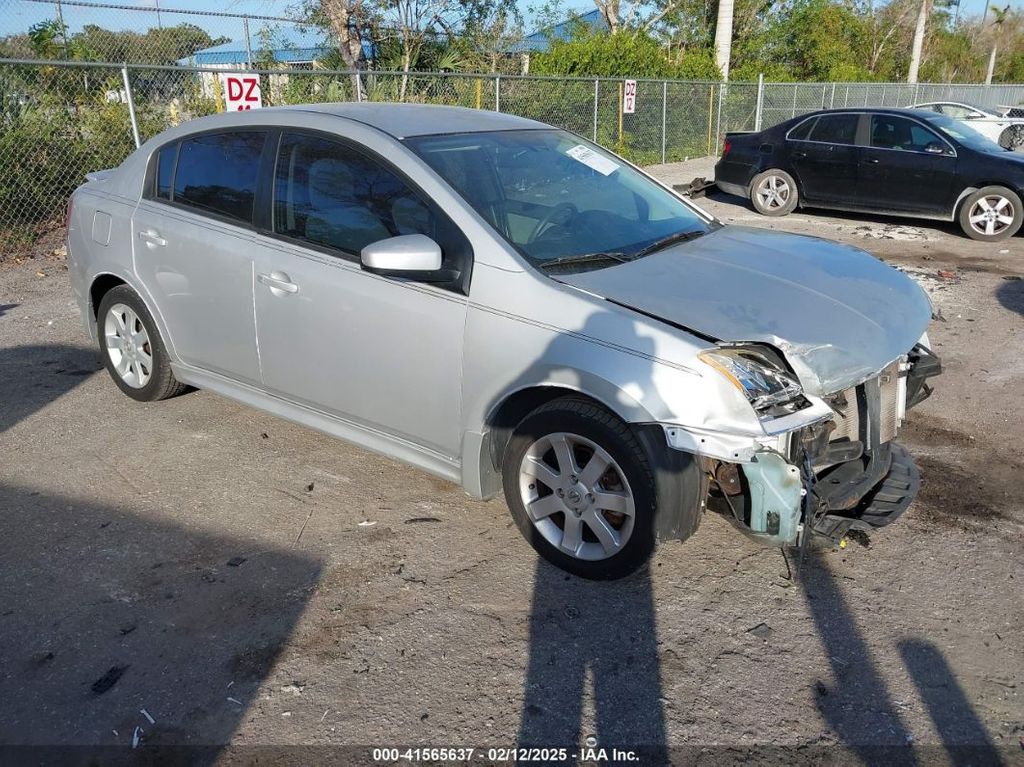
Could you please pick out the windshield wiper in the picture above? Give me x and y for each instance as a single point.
(585, 258)
(664, 242)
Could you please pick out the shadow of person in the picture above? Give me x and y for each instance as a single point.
(32, 376)
(595, 641)
(604, 634)
(962, 733)
(1010, 295)
(858, 707)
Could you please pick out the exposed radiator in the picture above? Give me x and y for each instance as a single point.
(871, 412)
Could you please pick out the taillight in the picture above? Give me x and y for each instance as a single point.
(725, 148)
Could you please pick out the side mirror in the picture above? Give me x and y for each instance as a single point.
(413, 256)
(935, 147)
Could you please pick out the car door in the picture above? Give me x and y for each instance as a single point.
(193, 242)
(384, 353)
(825, 163)
(906, 167)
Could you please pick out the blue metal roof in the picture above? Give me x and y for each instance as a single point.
(289, 47)
(540, 41)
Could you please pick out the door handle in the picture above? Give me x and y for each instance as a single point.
(872, 160)
(278, 281)
(799, 154)
(152, 238)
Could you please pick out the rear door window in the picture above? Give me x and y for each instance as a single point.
(836, 129)
(803, 130)
(218, 172)
(165, 171)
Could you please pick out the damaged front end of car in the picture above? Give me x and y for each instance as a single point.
(837, 472)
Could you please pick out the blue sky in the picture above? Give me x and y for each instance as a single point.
(19, 15)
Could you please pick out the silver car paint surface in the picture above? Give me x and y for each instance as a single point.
(839, 314)
(418, 372)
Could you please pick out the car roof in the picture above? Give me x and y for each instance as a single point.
(404, 120)
(920, 113)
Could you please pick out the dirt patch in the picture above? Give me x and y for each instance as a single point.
(922, 432)
(953, 497)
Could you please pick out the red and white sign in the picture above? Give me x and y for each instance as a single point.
(241, 92)
(629, 97)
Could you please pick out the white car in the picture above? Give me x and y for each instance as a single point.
(1006, 128)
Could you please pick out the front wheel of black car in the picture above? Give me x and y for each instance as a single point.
(774, 193)
(991, 214)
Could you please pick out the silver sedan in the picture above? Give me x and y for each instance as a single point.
(510, 307)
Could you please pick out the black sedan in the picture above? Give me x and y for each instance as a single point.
(902, 162)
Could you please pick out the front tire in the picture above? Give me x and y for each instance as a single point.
(774, 193)
(581, 489)
(133, 352)
(991, 214)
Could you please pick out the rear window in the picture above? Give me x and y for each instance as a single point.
(217, 172)
(835, 129)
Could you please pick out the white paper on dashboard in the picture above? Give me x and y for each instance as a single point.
(592, 159)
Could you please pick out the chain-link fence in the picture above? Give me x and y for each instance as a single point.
(61, 119)
(781, 101)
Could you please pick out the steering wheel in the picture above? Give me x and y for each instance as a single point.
(553, 214)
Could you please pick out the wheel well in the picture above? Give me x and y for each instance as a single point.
(510, 413)
(99, 288)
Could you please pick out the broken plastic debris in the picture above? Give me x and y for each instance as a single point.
(367, 523)
(234, 700)
(136, 737)
(148, 717)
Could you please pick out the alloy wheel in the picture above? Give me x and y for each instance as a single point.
(577, 496)
(128, 345)
(990, 215)
(773, 192)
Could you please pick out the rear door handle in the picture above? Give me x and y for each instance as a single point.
(152, 238)
(278, 281)
(872, 160)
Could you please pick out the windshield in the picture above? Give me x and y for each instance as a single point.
(966, 135)
(554, 196)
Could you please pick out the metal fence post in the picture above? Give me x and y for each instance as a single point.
(131, 105)
(718, 125)
(497, 93)
(664, 111)
(796, 87)
(596, 86)
(759, 103)
(248, 43)
(832, 100)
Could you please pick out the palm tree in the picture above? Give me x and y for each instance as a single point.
(998, 19)
(918, 47)
(723, 36)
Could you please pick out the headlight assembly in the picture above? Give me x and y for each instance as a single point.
(771, 389)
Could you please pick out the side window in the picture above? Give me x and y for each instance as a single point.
(835, 129)
(956, 111)
(165, 171)
(803, 130)
(217, 172)
(892, 132)
(331, 195)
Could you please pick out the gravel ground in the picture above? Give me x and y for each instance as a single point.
(241, 580)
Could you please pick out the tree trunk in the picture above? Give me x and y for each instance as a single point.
(991, 65)
(610, 11)
(723, 36)
(918, 47)
(347, 26)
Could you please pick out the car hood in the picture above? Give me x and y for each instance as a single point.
(837, 313)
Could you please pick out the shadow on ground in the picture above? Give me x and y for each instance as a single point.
(111, 609)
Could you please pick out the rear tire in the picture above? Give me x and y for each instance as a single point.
(132, 350)
(1012, 137)
(774, 193)
(581, 489)
(991, 214)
